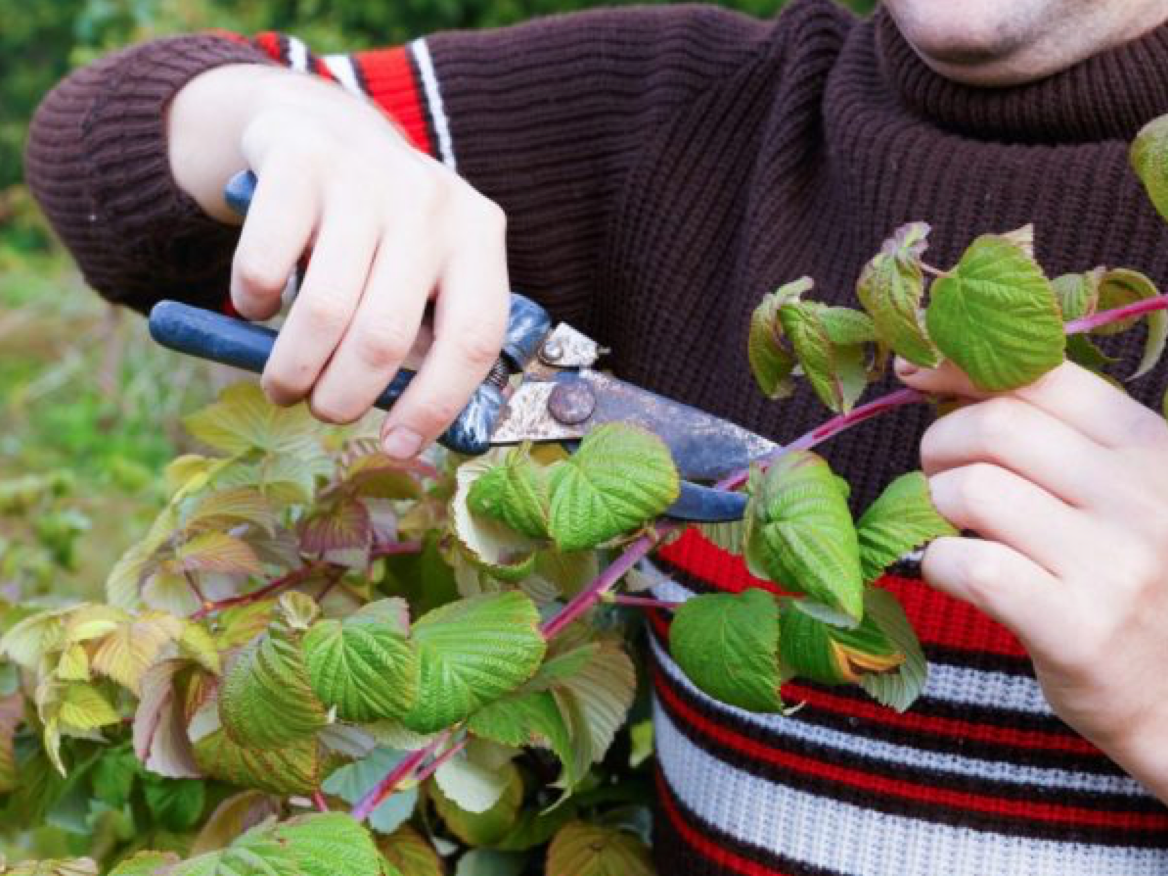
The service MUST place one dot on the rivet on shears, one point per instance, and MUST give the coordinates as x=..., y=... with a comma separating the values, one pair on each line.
x=552, y=351
x=571, y=403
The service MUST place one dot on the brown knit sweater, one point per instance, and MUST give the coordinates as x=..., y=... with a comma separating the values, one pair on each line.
x=662, y=169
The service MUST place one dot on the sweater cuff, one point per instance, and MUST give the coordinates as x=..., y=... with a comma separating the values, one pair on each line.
x=98, y=163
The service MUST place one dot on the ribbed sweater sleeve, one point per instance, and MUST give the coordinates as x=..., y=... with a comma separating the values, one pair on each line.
x=96, y=161
x=543, y=118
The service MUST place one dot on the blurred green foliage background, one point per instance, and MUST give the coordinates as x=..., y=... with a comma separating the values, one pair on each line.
x=89, y=408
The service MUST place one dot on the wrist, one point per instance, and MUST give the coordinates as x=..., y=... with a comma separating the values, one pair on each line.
x=1138, y=747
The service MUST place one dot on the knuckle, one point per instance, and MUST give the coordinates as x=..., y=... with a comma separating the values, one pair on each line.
x=996, y=422
x=978, y=488
x=259, y=273
x=983, y=579
x=331, y=409
x=284, y=388
x=382, y=349
x=480, y=347
x=324, y=311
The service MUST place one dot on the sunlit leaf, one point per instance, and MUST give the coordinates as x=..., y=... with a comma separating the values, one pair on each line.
x=621, y=478
x=901, y=520
x=515, y=493
x=472, y=652
x=242, y=419
x=489, y=543
x=127, y=652
x=995, y=315
x=292, y=768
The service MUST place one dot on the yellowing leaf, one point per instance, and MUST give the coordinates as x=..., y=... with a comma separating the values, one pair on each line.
x=11, y=717
x=242, y=420
x=126, y=653
x=411, y=853
x=601, y=692
x=27, y=643
x=266, y=698
x=292, y=768
x=621, y=478
x=219, y=552
x=227, y=508
x=237, y=814
x=81, y=707
x=581, y=849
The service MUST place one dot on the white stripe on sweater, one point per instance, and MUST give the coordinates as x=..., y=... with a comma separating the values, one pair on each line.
x=954, y=684
x=297, y=55
x=780, y=728
x=434, y=102
x=838, y=836
x=341, y=66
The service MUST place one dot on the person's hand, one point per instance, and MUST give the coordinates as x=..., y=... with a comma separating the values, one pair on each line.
x=389, y=230
x=1066, y=482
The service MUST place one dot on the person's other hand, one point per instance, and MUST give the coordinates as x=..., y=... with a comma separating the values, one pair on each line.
x=1066, y=482
x=388, y=230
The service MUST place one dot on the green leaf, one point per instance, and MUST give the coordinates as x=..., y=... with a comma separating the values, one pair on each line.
x=891, y=287
x=837, y=371
x=529, y=719
x=515, y=493
x=492, y=545
x=82, y=707
x=424, y=579
x=902, y=519
x=801, y=534
x=147, y=864
x=243, y=419
x=266, y=699
x=770, y=361
x=488, y=862
x=1121, y=287
x=175, y=803
x=727, y=644
x=899, y=688
x=730, y=535
x=621, y=478
x=363, y=667
x=602, y=693
x=472, y=778
x=1149, y=157
x=1078, y=296
x=582, y=849
x=483, y=828
x=56, y=867
x=471, y=653
x=995, y=315
x=828, y=654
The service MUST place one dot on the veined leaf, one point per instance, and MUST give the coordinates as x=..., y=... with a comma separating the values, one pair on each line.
x=529, y=719
x=292, y=768
x=266, y=698
x=411, y=853
x=728, y=645
x=219, y=552
x=837, y=371
x=801, y=533
x=582, y=849
x=377, y=476
x=29, y=640
x=901, y=520
x=601, y=692
x=891, y=287
x=342, y=525
x=897, y=689
x=995, y=315
x=1121, y=287
x=147, y=864
x=227, y=508
x=353, y=781
x=127, y=652
x=121, y=587
x=828, y=654
x=471, y=653
x=1149, y=157
x=242, y=420
x=621, y=478
x=55, y=867
x=363, y=667
x=514, y=493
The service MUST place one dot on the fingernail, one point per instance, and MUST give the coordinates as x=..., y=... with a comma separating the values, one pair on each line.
x=905, y=368
x=402, y=443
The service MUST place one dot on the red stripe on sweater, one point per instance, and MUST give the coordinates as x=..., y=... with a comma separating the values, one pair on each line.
x=703, y=845
x=794, y=692
x=320, y=68
x=1031, y=810
x=269, y=42
x=938, y=618
x=390, y=78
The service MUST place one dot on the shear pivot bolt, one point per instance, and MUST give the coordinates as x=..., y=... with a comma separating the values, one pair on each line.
x=552, y=351
x=571, y=403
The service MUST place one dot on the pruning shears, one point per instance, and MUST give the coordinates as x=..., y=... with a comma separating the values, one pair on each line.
x=543, y=387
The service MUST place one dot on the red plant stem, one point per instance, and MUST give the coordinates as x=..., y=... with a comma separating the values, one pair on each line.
x=640, y=548
x=643, y=602
x=318, y=800
x=437, y=762
x=395, y=777
x=394, y=548
x=301, y=575
x=1107, y=317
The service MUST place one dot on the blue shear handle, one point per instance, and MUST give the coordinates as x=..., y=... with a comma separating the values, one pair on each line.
x=220, y=338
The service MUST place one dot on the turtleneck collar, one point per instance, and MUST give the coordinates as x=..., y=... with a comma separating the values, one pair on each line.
x=1108, y=96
